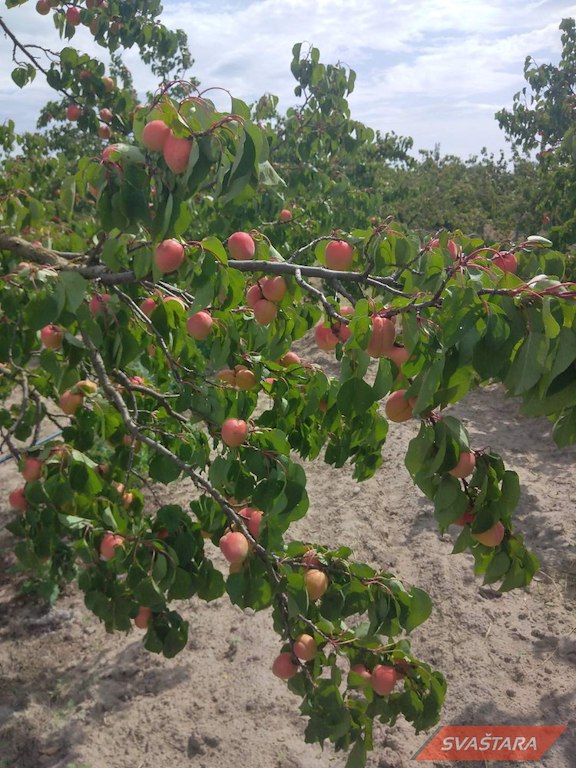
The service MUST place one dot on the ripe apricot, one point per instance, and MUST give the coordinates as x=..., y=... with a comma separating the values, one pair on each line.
x=199, y=325
x=17, y=500
x=241, y=246
x=265, y=312
x=274, y=288
x=284, y=666
x=324, y=338
x=142, y=619
x=253, y=518
x=51, y=336
x=176, y=153
x=451, y=245
x=290, y=358
x=70, y=402
x=169, y=255
x=305, y=647
x=253, y=295
x=234, y=546
x=384, y=678
x=339, y=255
x=506, y=261
x=398, y=355
x=316, y=583
x=108, y=545
x=492, y=537
x=382, y=339
x=364, y=673
x=154, y=135
x=73, y=112
x=245, y=379
x=32, y=469
x=465, y=466
x=397, y=407
x=234, y=432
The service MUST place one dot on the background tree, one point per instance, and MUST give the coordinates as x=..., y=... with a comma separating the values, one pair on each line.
x=481, y=195
x=158, y=342
x=543, y=118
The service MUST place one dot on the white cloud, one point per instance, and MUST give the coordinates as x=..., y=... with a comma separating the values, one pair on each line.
x=432, y=69
x=440, y=52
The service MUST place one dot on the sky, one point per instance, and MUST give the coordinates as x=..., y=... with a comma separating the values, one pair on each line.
x=435, y=70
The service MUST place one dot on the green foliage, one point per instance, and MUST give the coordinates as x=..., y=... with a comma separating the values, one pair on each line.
x=146, y=398
x=543, y=118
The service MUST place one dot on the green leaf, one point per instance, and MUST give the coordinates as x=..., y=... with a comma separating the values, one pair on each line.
x=75, y=288
x=463, y=542
x=168, y=208
x=129, y=349
x=211, y=584
x=215, y=247
x=419, y=610
x=515, y=577
x=176, y=638
x=564, y=352
x=68, y=195
x=357, y=756
x=510, y=491
x=355, y=397
x=41, y=311
x=142, y=263
x=564, y=432
x=23, y=74
x=429, y=382
x=450, y=501
x=240, y=108
x=551, y=325
x=529, y=363
x=183, y=219
x=383, y=382
x=35, y=211
x=84, y=480
x=147, y=593
x=205, y=284
x=73, y=522
x=499, y=565
x=111, y=253
x=559, y=397
x=182, y=587
x=249, y=590
x=163, y=469
x=457, y=430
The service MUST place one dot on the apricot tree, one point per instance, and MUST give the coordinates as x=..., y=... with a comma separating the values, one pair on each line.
x=543, y=118
x=161, y=351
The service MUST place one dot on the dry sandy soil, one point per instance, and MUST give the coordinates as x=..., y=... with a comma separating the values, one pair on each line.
x=72, y=696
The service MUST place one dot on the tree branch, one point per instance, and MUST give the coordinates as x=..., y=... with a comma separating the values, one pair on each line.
x=20, y=46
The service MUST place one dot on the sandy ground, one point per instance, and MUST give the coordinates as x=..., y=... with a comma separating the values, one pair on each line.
x=72, y=696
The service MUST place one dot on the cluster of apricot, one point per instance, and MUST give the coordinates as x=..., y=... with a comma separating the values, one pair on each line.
x=32, y=469
x=240, y=378
x=382, y=679
x=264, y=296
x=505, y=260
x=234, y=545
x=109, y=543
x=52, y=337
x=158, y=137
